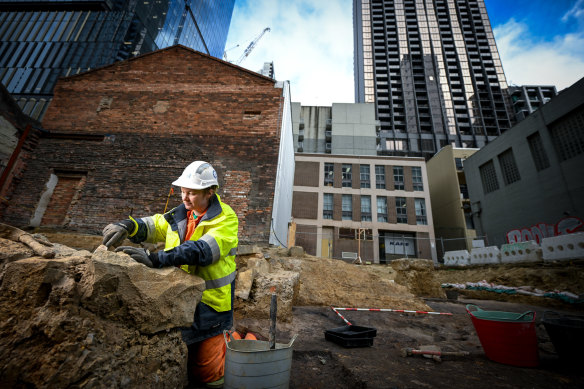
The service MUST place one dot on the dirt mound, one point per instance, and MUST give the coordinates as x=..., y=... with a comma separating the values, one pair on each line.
x=325, y=282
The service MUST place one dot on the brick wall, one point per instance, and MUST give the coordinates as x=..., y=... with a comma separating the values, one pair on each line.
x=356, y=176
x=389, y=183
x=408, y=182
x=306, y=174
x=132, y=128
x=338, y=175
x=305, y=205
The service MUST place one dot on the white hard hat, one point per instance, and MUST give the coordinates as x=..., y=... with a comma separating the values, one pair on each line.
x=198, y=175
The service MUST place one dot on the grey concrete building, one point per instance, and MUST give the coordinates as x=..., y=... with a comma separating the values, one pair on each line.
x=342, y=129
x=433, y=71
x=529, y=183
x=528, y=98
x=453, y=222
x=378, y=207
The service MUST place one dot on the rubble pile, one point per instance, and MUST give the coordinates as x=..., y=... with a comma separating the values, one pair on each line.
x=304, y=280
x=96, y=320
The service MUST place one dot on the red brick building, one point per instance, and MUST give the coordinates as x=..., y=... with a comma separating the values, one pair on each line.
x=18, y=136
x=118, y=136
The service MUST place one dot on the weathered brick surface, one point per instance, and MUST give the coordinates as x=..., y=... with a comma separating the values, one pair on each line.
x=158, y=113
x=389, y=183
x=13, y=124
x=356, y=176
x=306, y=174
x=338, y=175
x=408, y=182
x=356, y=202
x=411, y=209
x=337, y=206
x=305, y=205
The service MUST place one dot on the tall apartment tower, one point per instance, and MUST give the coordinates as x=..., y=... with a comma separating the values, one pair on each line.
x=43, y=40
x=433, y=71
x=528, y=98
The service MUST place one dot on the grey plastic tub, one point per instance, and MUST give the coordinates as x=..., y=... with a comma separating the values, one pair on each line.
x=251, y=364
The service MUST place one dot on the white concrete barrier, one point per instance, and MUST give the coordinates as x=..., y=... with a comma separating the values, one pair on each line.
x=563, y=247
x=521, y=252
x=456, y=258
x=485, y=255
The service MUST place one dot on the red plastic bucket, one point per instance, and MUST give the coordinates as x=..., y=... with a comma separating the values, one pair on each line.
x=506, y=337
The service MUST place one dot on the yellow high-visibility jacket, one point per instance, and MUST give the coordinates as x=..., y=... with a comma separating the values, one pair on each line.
x=209, y=254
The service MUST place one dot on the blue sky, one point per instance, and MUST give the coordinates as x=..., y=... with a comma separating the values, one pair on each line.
x=541, y=42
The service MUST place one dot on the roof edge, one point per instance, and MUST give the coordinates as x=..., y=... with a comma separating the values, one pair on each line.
x=170, y=48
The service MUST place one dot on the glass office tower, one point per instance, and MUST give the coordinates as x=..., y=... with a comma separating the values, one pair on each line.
x=433, y=71
x=43, y=40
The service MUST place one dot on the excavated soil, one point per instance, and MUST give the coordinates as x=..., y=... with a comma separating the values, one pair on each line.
x=319, y=363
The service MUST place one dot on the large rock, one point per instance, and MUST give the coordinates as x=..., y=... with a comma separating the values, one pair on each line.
x=286, y=285
x=94, y=321
x=244, y=283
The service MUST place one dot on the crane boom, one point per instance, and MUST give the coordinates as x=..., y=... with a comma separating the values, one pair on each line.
x=251, y=46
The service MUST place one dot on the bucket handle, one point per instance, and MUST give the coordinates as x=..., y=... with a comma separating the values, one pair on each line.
x=478, y=309
x=226, y=336
x=292, y=340
x=525, y=314
x=469, y=306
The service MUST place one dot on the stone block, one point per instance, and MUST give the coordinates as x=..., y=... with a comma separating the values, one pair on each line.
x=248, y=249
x=286, y=284
x=152, y=300
x=485, y=255
x=260, y=265
x=296, y=251
x=563, y=247
x=457, y=258
x=244, y=283
x=521, y=252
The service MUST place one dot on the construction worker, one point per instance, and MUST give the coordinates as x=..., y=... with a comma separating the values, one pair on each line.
x=201, y=238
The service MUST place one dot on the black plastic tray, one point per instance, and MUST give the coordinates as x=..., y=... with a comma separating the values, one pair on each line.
x=351, y=336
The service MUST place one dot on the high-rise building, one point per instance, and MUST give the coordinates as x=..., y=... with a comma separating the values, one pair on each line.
x=43, y=40
x=268, y=70
x=528, y=98
x=344, y=129
x=433, y=70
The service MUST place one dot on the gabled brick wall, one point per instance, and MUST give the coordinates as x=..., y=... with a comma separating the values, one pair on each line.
x=132, y=127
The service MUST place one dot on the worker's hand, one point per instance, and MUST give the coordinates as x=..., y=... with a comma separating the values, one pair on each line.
x=114, y=234
x=140, y=255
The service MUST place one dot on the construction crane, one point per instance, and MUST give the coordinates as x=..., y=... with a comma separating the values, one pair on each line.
x=249, y=48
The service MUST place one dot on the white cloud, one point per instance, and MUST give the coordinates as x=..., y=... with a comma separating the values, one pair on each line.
x=577, y=12
x=310, y=43
x=530, y=62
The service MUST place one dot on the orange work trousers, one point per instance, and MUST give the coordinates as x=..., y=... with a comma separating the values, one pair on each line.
x=207, y=359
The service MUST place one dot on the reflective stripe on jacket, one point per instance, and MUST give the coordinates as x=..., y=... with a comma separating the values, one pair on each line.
x=209, y=253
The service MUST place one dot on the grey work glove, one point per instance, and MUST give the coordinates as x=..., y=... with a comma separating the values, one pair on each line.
x=141, y=255
x=114, y=234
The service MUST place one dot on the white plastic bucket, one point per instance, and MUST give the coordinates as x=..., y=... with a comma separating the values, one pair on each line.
x=251, y=364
